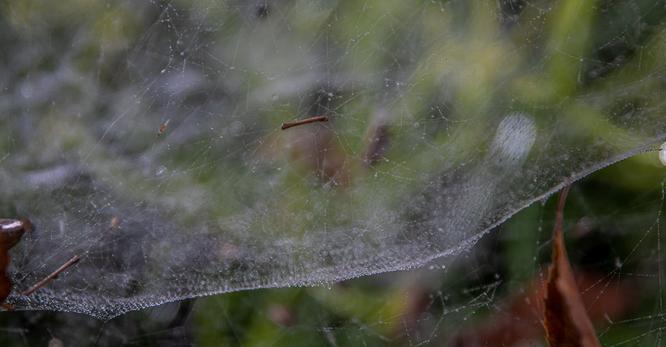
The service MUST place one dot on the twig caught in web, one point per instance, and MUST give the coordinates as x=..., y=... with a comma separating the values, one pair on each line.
x=288, y=125
x=75, y=259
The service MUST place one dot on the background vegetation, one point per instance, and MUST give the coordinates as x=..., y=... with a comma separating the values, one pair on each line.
x=597, y=63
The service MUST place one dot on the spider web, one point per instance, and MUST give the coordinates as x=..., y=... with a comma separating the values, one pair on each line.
x=146, y=138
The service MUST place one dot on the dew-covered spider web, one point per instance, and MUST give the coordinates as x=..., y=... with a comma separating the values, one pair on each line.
x=144, y=136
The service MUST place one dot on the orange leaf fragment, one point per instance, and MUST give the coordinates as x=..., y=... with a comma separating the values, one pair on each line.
x=163, y=128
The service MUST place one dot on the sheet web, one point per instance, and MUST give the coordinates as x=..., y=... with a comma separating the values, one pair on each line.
x=147, y=140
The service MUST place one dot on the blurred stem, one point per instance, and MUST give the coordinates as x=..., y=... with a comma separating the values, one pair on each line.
x=521, y=236
x=569, y=43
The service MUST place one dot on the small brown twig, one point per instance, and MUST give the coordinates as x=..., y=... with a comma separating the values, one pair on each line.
x=75, y=259
x=288, y=125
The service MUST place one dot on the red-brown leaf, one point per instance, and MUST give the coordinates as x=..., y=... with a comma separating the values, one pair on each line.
x=565, y=320
x=518, y=322
x=522, y=317
x=10, y=234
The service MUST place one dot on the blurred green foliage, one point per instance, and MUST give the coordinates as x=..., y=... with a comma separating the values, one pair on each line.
x=568, y=49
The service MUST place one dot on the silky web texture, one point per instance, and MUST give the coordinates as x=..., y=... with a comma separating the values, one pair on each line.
x=146, y=138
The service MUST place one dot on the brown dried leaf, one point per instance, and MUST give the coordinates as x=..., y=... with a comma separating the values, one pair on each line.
x=518, y=322
x=565, y=320
x=564, y=313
